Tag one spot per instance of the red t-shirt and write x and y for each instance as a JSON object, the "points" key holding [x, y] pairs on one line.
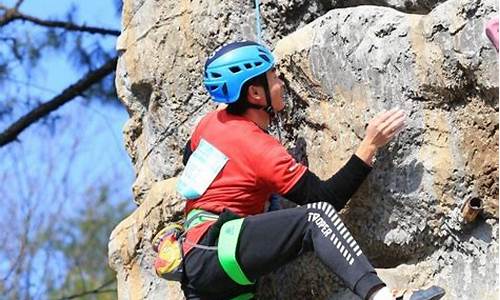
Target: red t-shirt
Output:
{"points": [[258, 166]]}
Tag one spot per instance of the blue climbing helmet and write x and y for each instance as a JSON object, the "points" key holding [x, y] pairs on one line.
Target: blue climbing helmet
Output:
{"points": [[232, 65]]}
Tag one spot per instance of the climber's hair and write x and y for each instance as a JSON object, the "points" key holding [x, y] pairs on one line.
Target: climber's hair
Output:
{"points": [[241, 105]]}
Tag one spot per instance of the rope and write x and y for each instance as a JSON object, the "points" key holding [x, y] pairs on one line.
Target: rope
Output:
{"points": [[278, 126], [257, 21], [259, 40]]}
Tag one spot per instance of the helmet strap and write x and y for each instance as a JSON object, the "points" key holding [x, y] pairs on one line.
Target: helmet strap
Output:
{"points": [[256, 106], [268, 108], [273, 115]]}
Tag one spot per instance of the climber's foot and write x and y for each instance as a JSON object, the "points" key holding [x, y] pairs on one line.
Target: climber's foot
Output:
{"points": [[432, 293]]}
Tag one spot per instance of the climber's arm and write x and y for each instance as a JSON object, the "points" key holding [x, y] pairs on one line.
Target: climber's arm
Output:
{"points": [[336, 190], [342, 185]]}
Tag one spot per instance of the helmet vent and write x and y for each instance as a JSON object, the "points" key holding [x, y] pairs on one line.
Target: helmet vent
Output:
{"points": [[235, 69], [248, 66], [264, 57], [215, 75], [258, 63], [224, 89]]}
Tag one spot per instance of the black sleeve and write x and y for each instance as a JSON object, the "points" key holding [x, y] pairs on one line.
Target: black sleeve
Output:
{"points": [[337, 190], [187, 152]]}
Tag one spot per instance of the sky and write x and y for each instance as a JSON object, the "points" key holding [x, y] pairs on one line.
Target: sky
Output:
{"points": [[54, 165], [101, 153]]}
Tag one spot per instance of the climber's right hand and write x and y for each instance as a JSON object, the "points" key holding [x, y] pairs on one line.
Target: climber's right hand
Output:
{"points": [[380, 130]]}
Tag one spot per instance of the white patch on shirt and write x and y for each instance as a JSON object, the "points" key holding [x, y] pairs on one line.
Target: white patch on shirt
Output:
{"points": [[202, 168]]}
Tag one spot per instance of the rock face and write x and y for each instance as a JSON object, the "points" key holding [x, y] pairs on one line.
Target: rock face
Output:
{"points": [[342, 64], [130, 250], [164, 46]]}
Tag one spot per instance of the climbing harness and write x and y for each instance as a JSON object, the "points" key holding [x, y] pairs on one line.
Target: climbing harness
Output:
{"points": [[168, 244], [198, 216], [246, 296], [227, 247]]}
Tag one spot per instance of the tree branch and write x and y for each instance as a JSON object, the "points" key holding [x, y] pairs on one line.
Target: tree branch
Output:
{"points": [[74, 90], [12, 14], [19, 2], [14, 47], [98, 290]]}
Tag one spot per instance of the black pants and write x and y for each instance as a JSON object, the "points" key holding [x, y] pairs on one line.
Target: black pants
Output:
{"points": [[270, 240]]}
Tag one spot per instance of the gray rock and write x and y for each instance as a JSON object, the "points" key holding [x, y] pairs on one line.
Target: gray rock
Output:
{"points": [[342, 63]]}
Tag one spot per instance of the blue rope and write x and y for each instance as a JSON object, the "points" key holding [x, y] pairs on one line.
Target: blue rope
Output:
{"points": [[257, 21]]}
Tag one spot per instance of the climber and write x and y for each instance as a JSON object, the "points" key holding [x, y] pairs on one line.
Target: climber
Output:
{"points": [[230, 240]]}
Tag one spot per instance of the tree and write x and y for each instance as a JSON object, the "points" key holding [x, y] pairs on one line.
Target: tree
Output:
{"points": [[57, 208], [83, 241], [54, 241], [57, 35]]}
